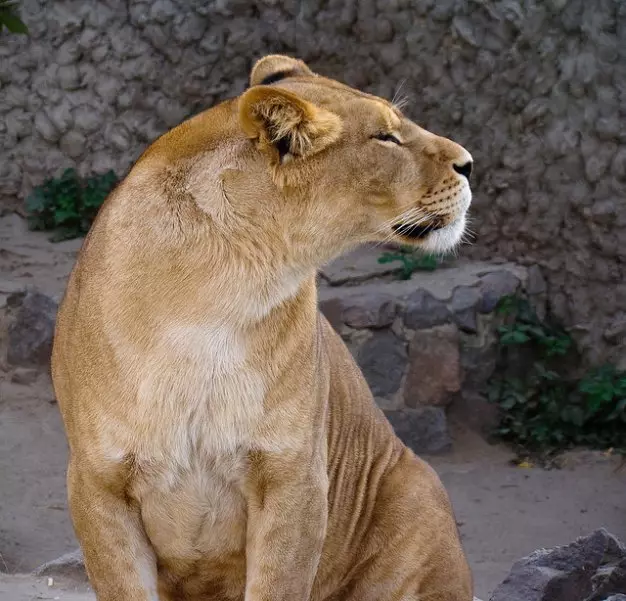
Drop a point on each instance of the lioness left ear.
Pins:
(286, 126)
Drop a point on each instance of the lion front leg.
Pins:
(119, 559)
(287, 516)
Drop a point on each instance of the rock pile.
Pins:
(30, 329)
(425, 343)
(592, 568)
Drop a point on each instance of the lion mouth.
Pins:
(417, 231)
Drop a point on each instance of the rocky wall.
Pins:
(534, 88)
(427, 344)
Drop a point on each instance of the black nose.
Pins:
(465, 169)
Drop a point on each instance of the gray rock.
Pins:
(383, 360)
(424, 430)
(162, 11)
(615, 333)
(73, 144)
(463, 306)
(423, 310)
(69, 77)
(434, 376)
(536, 283)
(170, 112)
(618, 165)
(332, 309)
(374, 310)
(61, 116)
(24, 376)
(70, 565)
(618, 597)
(494, 286)
(31, 331)
(589, 569)
(45, 128)
(119, 136)
(367, 310)
(357, 266)
(479, 354)
(108, 88)
(87, 119)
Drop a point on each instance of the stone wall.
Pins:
(428, 343)
(534, 88)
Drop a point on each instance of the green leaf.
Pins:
(12, 22)
(508, 403)
(514, 336)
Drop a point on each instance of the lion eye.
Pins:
(384, 137)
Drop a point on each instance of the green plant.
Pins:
(10, 19)
(68, 204)
(542, 407)
(411, 261)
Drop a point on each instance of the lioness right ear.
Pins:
(285, 125)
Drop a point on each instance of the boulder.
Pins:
(31, 331)
(494, 286)
(423, 310)
(434, 376)
(590, 569)
(424, 430)
(383, 360)
(463, 306)
(70, 565)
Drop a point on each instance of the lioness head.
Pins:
(349, 165)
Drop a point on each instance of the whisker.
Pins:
(396, 95)
(399, 100)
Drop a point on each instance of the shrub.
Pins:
(68, 204)
(542, 407)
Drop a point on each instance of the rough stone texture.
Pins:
(494, 286)
(589, 569)
(534, 88)
(372, 310)
(463, 306)
(70, 565)
(423, 310)
(424, 430)
(31, 330)
(434, 376)
(380, 317)
(383, 360)
(24, 375)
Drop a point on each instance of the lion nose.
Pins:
(465, 169)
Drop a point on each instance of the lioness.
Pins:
(223, 443)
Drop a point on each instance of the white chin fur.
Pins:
(446, 238)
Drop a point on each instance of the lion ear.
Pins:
(274, 67)
(285, 125)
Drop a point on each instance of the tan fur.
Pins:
(223, 443)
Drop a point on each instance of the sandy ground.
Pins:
(504, 512)
(26, 588)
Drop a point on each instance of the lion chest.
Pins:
(195, 514)
(199, 407)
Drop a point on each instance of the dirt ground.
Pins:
(504, 512)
